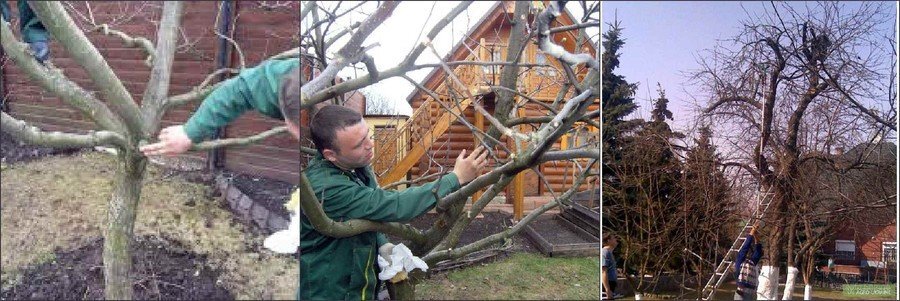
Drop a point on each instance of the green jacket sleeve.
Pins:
(358, 202)
(254, 88)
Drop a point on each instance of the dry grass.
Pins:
(60, 202)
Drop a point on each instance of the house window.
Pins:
(889, 253)
(844, 249)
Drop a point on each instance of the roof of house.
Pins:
(494, 11)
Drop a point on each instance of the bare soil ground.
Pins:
(54, 209)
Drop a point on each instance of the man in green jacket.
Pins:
(342, 178)
(271, 88)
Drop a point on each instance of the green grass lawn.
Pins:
(520, 276)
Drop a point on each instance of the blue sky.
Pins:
(662, 41)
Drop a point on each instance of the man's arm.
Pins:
(742, 253)
(359, 202)
(255, 88)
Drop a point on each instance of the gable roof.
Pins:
(437, 74)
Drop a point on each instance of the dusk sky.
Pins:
(662, 41)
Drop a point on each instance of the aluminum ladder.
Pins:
(765, 199)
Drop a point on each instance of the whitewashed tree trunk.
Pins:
(807, 292)
(789, 283)
(768, 283)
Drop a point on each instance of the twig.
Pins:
(207, 145)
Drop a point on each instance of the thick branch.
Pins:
(35, 136)
(313, 210)
(157, 89)
(291, 53)
(583, 153)
(588, 118)
(546, 44)
(64, 30)
(54, 81)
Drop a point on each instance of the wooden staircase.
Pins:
(418, 135)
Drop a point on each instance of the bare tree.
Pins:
(787, 66)
(523, 151)
(122, 123)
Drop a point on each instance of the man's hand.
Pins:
(385, 251)
(173, 140)
(469, 168)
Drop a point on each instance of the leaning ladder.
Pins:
(765, 199)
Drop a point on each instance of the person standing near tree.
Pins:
(608, 275)
(747, 268)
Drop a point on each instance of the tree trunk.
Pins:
(120, 226)
(767, 289)
(789, 283)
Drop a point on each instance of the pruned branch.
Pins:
(132, 42)
(33, 135)
(547, 46)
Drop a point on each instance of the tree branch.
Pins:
(199, 92)
(208, 145)
(350, 50)
(64, 30)
(307, 100)
(131, 42)
(157, 90)
(54, 81)
(448, 253)
(547, 46)
(856, 104)
(325, 225)
(35, 136)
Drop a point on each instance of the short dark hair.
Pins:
(609, 236)
(289, 96)
(327, 121)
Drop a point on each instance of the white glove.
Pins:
(287, 241)
(400, 262)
